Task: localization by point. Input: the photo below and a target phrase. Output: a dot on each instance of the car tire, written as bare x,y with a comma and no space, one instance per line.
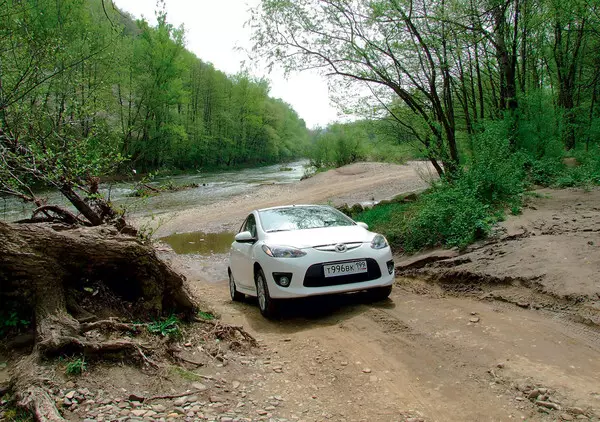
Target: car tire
267,306
379,293
235,295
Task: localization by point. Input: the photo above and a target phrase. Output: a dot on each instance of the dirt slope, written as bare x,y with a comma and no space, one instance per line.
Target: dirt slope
547,257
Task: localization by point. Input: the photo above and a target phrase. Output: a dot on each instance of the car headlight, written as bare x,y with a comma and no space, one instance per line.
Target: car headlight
282,251
379,242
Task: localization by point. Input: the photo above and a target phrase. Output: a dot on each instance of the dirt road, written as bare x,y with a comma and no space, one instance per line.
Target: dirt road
428,353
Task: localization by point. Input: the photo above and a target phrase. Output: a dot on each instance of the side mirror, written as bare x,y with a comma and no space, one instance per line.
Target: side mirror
363,225
244,237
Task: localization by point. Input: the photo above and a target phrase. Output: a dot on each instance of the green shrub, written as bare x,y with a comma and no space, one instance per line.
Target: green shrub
166,327
75,366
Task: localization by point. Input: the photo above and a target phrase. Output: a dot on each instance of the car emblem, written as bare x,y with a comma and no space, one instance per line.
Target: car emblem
340,247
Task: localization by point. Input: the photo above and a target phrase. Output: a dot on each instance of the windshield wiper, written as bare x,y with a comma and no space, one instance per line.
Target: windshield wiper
278,230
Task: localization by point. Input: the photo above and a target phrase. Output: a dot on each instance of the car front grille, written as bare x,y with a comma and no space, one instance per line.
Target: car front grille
315,276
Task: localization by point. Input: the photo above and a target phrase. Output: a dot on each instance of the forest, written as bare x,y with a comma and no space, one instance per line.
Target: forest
498,95
87,91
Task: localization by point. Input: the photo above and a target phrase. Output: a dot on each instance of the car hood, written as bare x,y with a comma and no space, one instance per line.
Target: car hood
318,237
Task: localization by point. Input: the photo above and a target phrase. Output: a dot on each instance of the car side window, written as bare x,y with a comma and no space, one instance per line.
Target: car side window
250,225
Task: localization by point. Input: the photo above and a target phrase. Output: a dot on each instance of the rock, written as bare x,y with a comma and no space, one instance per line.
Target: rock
199,386
226,419
500,365
367,370
181,401
575,410
215,399
158,408
139,412
270,408
125,412
287,339
235,385
278,398
548,405
474,320
533,393
188,344
582,417
70,395
567,417
262,412
173,415
123,405
543,390
191,399
519,398
278,369
136,397
344,363
523,304
150,413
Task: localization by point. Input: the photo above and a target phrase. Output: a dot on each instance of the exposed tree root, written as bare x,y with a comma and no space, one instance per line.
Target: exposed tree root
40,404
229,332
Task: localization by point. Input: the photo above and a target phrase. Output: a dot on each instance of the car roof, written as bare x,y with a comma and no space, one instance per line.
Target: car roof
292,206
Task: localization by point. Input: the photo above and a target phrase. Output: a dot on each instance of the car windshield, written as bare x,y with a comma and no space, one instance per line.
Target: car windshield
300,218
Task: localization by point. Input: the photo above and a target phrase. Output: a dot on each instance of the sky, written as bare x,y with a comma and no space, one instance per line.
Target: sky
215,28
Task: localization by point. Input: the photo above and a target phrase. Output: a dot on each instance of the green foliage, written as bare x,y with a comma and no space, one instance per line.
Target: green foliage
340,144
167,327
460,211
12,320
206,315
75,366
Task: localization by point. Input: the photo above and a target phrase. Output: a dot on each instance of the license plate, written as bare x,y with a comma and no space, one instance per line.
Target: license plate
345,268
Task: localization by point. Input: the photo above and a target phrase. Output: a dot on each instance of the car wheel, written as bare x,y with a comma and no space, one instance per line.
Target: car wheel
379,293
235,295
267,306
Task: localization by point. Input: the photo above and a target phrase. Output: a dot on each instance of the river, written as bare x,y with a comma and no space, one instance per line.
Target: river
212,186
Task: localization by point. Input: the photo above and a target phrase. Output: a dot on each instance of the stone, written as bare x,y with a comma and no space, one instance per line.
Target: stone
70,395
475,320
123,405
136,397
548,405
533,393
367,370
180,401
575,410
67,402
278,369
199,386
500,365
226,419
270,408
235,385
158,408
262,412
139,412
344,363
567,417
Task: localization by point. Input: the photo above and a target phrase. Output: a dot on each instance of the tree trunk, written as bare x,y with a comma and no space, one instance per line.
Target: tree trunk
41,264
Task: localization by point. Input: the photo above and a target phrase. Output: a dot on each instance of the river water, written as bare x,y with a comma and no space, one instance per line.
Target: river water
212,186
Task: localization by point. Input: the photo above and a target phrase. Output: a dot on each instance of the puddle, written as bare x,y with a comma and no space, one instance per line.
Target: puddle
200,243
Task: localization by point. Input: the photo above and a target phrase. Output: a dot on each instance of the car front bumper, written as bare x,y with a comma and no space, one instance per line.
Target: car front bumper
298,267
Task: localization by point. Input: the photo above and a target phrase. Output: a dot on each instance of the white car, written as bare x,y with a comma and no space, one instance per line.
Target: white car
306,250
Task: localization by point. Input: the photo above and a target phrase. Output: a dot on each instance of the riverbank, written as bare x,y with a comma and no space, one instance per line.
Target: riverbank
354,183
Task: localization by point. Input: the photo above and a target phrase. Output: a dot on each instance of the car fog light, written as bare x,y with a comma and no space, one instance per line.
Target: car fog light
282,279
390,265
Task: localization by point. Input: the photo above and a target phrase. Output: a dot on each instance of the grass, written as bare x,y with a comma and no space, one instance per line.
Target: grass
206,315
166,327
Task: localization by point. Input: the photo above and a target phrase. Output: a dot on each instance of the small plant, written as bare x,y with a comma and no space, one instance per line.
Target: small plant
12,322
76,366
166,327
206,315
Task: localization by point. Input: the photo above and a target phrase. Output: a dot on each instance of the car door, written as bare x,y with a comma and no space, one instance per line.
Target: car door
242,256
